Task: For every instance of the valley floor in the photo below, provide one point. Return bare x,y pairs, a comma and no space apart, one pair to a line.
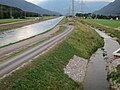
47,71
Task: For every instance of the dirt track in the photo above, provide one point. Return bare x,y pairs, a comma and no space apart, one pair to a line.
25,43
14,63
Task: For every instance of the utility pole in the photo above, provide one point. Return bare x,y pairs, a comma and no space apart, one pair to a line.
72,8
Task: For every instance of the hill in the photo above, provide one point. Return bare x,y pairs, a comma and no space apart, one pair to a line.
111,9
27,6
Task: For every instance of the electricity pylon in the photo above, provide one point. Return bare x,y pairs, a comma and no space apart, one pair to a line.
73,8
11,10
82,6
69,11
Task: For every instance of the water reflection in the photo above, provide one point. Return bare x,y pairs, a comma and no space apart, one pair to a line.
25,32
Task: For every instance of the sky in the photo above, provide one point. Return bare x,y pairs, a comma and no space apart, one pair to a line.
89,6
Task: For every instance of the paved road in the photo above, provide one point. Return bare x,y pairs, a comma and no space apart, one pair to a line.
12,64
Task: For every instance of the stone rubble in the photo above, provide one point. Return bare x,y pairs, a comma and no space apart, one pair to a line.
111,68
76,68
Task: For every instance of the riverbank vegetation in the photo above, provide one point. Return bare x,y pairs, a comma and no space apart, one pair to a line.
118,51
112,32
64,21
114,78
46,72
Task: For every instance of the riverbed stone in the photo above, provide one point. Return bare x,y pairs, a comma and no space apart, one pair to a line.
76,68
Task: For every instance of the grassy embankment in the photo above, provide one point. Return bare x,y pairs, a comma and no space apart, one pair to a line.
46,72
111,31
5,21
118,51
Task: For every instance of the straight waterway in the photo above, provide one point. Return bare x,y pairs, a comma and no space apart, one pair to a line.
96,77
25,32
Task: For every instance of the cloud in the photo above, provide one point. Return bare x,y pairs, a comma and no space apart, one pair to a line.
98,0
36,1
40,1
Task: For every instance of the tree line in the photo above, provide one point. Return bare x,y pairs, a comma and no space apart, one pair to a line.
98,16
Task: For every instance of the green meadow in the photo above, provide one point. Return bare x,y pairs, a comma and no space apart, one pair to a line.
4,21
110,23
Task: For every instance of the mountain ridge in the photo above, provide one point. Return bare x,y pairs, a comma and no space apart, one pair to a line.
112,8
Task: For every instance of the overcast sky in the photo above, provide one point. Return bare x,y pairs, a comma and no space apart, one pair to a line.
40,1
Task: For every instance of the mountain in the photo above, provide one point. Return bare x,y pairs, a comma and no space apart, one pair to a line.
63,5
111,9
27,6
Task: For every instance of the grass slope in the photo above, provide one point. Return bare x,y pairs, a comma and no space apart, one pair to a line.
118,51
111,31
47,71
4,21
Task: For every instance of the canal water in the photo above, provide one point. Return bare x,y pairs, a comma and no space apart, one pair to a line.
25,32
96,77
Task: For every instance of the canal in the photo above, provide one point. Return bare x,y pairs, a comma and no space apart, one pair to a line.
25,32
96,77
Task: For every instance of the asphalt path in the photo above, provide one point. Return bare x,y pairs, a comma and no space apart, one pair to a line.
14,63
